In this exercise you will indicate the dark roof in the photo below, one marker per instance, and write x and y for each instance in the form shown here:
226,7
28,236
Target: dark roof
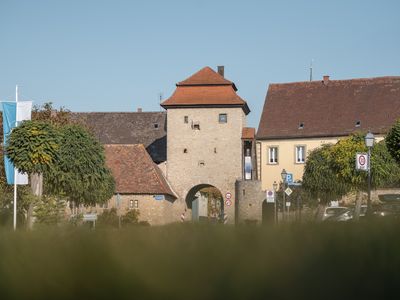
134,171
333,108
147,128
248,133
205,88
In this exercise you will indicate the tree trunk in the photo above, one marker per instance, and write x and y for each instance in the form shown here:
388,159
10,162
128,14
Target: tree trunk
320,211
358,205
37,190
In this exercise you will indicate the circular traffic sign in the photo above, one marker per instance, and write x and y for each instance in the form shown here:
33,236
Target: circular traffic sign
228,202
362,160
228,195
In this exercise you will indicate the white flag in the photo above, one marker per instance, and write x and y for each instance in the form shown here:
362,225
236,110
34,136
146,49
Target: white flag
24,111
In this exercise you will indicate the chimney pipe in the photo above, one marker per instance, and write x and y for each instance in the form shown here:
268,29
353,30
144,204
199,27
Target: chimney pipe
221,70
139,109
326,79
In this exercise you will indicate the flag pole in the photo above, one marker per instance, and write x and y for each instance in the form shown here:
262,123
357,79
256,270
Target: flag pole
15,171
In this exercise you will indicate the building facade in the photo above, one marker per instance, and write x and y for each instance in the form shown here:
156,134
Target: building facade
205,122
301,116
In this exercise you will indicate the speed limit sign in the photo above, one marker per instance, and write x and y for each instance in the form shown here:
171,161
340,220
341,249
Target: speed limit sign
362,161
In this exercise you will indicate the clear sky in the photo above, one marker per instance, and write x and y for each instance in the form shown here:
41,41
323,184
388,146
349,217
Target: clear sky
93,55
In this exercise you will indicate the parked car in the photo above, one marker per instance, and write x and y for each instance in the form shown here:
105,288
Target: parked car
387,210
333,212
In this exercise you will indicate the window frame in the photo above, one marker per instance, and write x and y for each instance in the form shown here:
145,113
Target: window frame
220,120
275,156
296,154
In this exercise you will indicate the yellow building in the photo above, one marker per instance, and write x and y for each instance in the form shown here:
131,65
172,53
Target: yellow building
301,116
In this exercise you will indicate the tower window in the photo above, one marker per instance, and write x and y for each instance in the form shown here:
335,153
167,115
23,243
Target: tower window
185,150
196,126
223,118
185,119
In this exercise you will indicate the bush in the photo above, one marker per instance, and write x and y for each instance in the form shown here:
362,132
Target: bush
131,217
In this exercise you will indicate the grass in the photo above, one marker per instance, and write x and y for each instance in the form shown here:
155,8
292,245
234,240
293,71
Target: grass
309,261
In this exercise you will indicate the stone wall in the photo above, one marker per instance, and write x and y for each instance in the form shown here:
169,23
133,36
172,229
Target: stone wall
249,201
156,212
210,155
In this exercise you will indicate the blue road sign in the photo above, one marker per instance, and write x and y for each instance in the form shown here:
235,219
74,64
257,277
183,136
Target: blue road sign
289,177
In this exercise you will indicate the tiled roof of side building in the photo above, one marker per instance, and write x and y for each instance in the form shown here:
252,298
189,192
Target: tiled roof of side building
205,88
147,128
330,108
134,171
248,133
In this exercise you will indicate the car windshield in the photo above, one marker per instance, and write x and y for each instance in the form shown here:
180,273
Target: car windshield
335,210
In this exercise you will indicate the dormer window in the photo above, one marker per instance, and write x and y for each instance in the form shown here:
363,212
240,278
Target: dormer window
155,125
358,123
301,125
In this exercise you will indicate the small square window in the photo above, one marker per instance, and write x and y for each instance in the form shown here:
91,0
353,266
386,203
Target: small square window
273,155
155,125
196,126
223,118
130,204
136,204
185,119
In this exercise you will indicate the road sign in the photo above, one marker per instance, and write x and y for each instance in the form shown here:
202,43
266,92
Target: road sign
270,196
288,191
362,161
89,217
228,202
289,178
287,204
228,195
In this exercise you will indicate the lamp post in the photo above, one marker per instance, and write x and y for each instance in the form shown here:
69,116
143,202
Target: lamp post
284,176
369,142
275,186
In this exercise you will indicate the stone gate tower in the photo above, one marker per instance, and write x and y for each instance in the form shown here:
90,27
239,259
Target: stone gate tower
205,121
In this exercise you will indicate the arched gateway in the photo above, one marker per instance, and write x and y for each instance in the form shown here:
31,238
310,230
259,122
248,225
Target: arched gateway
206,203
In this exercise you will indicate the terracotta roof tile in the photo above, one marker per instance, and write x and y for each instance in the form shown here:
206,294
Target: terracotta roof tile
205,76
338,108
205,88
248,133
134,171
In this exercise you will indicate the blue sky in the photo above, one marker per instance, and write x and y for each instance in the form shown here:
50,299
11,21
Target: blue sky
120,55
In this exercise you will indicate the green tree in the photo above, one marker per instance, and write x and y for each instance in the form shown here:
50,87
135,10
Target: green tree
80,174
49,210
393,141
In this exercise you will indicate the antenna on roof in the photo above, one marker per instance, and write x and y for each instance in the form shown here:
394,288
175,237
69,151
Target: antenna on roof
311,66
160,96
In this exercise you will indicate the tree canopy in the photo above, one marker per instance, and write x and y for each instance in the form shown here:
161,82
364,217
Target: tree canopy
80,173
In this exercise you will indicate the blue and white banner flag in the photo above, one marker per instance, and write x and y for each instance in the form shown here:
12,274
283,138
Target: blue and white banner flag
14,112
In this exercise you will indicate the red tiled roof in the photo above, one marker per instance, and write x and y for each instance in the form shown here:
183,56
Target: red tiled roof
205,88
315,109
134,171
248,133
206,76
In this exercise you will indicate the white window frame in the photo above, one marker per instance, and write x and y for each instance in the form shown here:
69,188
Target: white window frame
300,155
273,154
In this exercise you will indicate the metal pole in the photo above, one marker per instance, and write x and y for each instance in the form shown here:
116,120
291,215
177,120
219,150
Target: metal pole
15,170
284,201
275,214
369,184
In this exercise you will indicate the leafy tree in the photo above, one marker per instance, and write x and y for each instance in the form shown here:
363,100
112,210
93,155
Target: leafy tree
131,217
47,113
393,141
330,170
80,174
49,210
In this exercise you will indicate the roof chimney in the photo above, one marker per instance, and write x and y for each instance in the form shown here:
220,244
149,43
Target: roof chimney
221,70
326,79
139,109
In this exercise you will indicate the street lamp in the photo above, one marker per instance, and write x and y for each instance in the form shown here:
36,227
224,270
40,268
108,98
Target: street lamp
369,142
284,177
275,186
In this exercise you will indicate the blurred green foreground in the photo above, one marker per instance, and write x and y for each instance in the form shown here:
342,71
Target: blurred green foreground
315,261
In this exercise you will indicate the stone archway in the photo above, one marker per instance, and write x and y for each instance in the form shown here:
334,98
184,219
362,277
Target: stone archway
206,203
